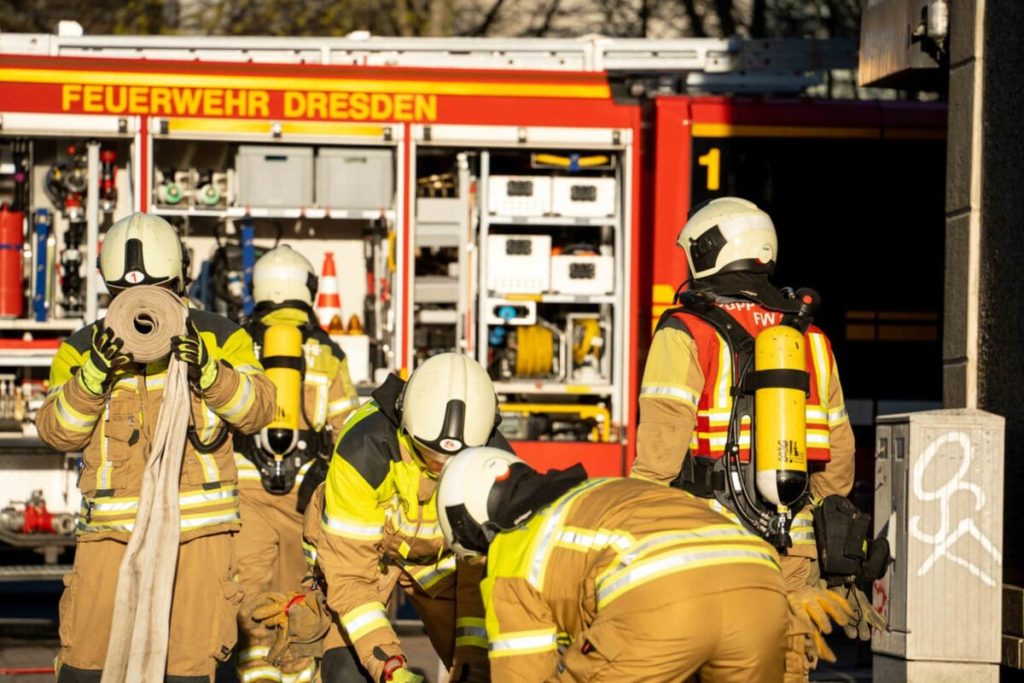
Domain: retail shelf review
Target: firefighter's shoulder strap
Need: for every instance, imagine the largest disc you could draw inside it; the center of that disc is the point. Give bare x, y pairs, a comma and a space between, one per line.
702, 304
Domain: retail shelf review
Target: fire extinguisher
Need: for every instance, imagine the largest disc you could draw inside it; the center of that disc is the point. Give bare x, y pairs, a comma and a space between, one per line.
12, 241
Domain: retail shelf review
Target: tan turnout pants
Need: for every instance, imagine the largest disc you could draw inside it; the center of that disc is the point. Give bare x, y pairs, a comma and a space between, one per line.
734, 636
203, 612
270, 558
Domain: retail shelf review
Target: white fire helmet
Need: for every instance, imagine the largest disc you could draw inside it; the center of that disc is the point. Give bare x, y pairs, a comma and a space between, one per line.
283, 274
726, 235
463, 493
142, 249
448, 405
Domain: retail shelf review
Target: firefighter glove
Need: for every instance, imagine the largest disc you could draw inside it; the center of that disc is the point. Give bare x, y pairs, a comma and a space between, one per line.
190, 348
106, 356
300, 619
404, 675
864, 616
820, 606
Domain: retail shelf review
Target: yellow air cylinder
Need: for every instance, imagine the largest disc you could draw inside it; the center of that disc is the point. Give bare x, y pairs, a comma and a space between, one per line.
282, 360
779, 414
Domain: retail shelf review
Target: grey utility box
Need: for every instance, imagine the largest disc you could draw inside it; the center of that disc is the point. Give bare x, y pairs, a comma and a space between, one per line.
355, 178
939, 501
275, 176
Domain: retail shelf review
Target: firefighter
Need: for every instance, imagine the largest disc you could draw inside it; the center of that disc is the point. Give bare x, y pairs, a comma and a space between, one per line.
692, 399
379, 525
611, 579
279, 468
105, 405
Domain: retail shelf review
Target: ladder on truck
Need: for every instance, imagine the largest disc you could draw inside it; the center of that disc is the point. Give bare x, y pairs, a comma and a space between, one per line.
684, 65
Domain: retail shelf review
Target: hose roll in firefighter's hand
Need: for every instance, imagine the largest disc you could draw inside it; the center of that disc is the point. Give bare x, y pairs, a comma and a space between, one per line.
146, 317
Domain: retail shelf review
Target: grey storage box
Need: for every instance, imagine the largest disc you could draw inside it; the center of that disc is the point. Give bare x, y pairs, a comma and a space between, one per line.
355, 178
275, 176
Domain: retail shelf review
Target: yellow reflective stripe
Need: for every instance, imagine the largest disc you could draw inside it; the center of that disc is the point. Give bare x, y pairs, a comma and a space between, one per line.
260, 673
309, 550
304, 676
426, 529
523, 643
470, 632
251, 653
350, 529
430, 575
210, 470
819, 354
301, 474
551, 526
723, 383
365, 619
320, 384
247, 471
673, 393
240, 402
585, 540
647, 570
106, 467
72, 419
210, 424
341, 405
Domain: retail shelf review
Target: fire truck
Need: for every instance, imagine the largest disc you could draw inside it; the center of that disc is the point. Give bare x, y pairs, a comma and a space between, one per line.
517, 200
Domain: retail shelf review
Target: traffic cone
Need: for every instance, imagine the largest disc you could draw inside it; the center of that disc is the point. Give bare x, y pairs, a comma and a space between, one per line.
328, 301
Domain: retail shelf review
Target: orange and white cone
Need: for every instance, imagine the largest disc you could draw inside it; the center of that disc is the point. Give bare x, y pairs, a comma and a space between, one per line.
328, 300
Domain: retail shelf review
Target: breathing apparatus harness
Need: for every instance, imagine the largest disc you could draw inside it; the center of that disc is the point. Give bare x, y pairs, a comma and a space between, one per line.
726, 479
281, 450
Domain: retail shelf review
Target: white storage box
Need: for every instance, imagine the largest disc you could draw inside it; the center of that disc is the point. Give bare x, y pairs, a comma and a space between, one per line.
518, 264
357, 352
525, 312
577, 274
355, 178
274, 176
583, 197
511, 195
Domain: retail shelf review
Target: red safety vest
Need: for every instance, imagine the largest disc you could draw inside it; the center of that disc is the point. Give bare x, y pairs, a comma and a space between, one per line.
716, 362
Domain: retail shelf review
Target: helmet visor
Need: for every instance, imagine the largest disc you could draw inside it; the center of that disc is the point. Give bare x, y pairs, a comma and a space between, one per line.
431, 459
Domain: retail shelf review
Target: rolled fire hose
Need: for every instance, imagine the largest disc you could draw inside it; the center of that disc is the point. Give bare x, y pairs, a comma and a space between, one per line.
146, 318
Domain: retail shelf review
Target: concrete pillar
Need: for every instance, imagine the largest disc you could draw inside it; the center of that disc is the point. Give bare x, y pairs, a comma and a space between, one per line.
983, 341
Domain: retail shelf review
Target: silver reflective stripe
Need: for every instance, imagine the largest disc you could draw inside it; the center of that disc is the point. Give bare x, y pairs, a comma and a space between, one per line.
363, 620
674, 561
585, 541
301, 474
262, 673
531, 642
342, 404
339, 527
837, 415
669, 392
66, 417
437, 572
208, 496
243, 399
551, 527
815, 414
113, 507
210, 520
679, 537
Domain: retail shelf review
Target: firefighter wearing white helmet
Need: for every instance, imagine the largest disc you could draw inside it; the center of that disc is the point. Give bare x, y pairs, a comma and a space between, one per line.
379, 523
602, 579
103, 405
702, 391
279, 468
142, 249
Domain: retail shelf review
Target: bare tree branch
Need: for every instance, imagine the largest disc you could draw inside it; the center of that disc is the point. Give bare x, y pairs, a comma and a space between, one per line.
490, 17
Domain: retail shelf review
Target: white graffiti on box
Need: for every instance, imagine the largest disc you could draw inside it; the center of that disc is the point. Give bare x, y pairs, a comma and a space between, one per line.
944, 538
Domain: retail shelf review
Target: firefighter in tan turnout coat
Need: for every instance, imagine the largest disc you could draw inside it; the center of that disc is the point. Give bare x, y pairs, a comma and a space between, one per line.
611, 579
103, 404
274, 491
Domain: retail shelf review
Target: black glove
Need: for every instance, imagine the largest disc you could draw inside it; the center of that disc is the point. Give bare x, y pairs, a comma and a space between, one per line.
105, 358
190, 348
